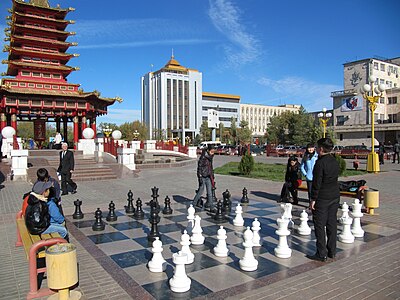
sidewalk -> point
(371, 273)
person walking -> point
(381, 153)
(396, 152)
(205, 176)
(66, 168)
(57, 141)
(325, 197)
(307, 166)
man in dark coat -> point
(205, 176)
(325, 197)
(66, 168)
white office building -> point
(172, 101)
(351, 113)
(228, 107)
(259, 116)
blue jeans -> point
(205, 181)
(60, 228)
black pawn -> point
(244, 199)
(167, 209)
(130, 209)
(154, 220)
(98, 225)
(219, 216)
(111, 212)
(139, 213)
(78, 212)
(227, 203)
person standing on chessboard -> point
(205, 176)
(325, 198)
(66, 168)
(307, 166)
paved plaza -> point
(368, 270)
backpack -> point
(37, 217)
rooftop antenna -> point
(151, 68)
(172, 56)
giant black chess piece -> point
(139, 213)
(245, 199)
(111, 213)
(98, 225)
(226, 202)
(167, 209)
(154, 205)
(219, 215)
(130, 209)
(154, 220)
(78, 212)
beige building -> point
(258, 116)
(352, 117)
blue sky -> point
(268, 52)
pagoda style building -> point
(36, 87)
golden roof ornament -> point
(42, 3)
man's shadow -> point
(265, 195)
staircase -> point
(86, 168)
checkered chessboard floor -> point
(125, 243)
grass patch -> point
(275, 172)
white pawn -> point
(248, 262)
(185, 243)
(157, 262)
(345, 212)
(304, 229)
(190, 218)
(356, 229)
(238, 220)
(197, 236)
(282, 250)
(256, 227)
(221, 250)
(346, 236)
(180, 282)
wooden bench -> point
(359, 194)
(35, 247)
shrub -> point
(246, 164)
(342, 164)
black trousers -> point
(66, 179)
(325, 217)
(396, 155)
(309, 186)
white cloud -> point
(312, 95)
(244, 48)
(120, 116)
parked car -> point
(300, 151)
(361, 151)
(257, 150)
(287, 151)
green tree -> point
(25, 130)
(246, 164)
(233, 131)
(104, 125)
(244, 133)
(133, 130)
(205, 132)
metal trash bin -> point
(62, 270)
(371, 200)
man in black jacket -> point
(325, 198)
(205, 176)
(66, 168)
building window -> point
(341, 136)
(339, 120)
(392, 100)
(382, 100)
(376, 66)
(31, 85)
(25, 73)
(56, 76)
(383, 67)
(46, 75)
(382, 81)
(36, 74)
(392, 118)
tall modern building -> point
(171, 101)
(258, 116)
(352, 117)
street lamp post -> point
(107, 131)
(324, 118)
(372, 95)
(135, 135)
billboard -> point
(213, 118)
(352, 103)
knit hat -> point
(40, 186)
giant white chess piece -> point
(221, 250)
(238, 220)
(248, 262)
(356, 229)
(286, 211)
(197, 236)
(180, 282)
(345, 212)
(283, 250)
(190, 218)
(157, 262)
(346, 236)
(304, 229)
(185, 243)
(256, 227)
